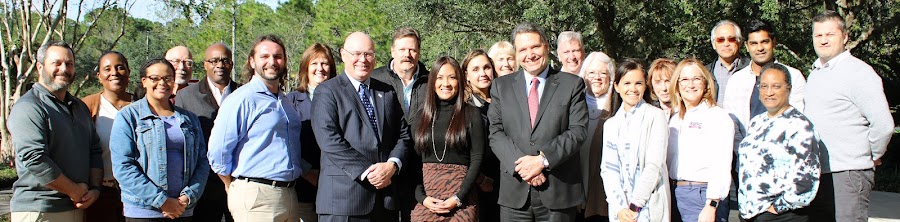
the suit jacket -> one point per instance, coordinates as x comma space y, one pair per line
560, 128
309, 149
349, 145
198, 99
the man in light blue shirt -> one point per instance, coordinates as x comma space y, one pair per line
254, 145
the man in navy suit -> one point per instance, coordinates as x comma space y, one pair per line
363, 138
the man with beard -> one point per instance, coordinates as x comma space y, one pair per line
182, 60
113, 74
58, 154
204, 99
570, 51
254, 146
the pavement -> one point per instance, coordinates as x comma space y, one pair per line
883, 206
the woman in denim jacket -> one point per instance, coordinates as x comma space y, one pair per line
158, 152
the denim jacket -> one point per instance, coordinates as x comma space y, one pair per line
138, 150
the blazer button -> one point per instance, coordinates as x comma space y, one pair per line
532, 143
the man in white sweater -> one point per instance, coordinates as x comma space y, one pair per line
848, 109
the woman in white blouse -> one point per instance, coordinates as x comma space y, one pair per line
634, 161
701, 138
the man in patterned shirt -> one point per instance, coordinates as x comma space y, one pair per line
779, 163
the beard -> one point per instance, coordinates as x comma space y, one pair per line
54, 86
278, 75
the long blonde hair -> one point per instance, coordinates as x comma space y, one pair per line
709, 93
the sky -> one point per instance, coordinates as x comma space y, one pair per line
146, 9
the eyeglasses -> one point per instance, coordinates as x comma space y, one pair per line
156, 79
186, 62
214, 61
729, 39
357, 54
766, 87
686, 81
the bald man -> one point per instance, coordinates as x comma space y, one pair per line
182, 60
363, 138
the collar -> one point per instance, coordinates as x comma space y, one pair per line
357, 82
212, 86
256, 85
817, 65
143, 109
734, 65
540, 77
44, 92
700, 107
634, 110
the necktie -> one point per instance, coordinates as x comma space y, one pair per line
370, 110
533, 101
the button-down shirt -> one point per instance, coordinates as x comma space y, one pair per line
217, 94
407, 88
700, 148
542, 80
723, 73
779, 164
850, 113
739, 94
256, 134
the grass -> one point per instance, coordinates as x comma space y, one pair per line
7, 176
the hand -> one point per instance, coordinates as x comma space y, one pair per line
878, 162
184, 201
529, 166
449, 204
380, 177
78, 193
434, 205
626, 215
772, 210
537, 181
171, 208
312, 176
487, 184
89, 198
708, 214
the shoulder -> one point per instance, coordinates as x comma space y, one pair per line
91, 99
380, 85
859, 68
27, 105
191, 89
381, 73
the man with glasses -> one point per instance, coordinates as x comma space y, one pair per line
182, 60
363, 137
726, 40
204, 99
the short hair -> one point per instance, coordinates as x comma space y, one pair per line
598, 57
155, 61
660, 67
406, 31
501, 47
314, 51
779, 67
124, 59
527, 27
831, 15
709, 93
760, 25
42, 51
248, 71
737, 30
569, 36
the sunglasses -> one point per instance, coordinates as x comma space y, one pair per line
729, 39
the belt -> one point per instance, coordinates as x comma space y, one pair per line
687, 183
275, 183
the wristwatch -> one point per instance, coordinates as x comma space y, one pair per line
634, 208
714, 203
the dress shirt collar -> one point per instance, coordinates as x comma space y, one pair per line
257, 85
357, 82
541, 78
217, 94
817, 65
704, 105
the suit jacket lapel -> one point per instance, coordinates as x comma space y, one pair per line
519, 92
549, 90
350, 91
207, 94
378, 95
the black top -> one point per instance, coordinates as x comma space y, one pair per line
470, 155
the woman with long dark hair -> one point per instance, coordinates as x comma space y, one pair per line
316, 66
158, 152
450, 139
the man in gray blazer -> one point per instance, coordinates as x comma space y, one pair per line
203, 99
538, 121
363, 137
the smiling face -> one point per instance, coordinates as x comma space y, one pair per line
828, 39
596, 76
571, 55
631, 88
114, 73
58, 69
774, 91
761, 47
159, 82
446, 84
218, 64
532, 52
268, 61
479, 72
358, 55
692, 85
318, 71
505, 64
405, 52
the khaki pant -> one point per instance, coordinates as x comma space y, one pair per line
256, 202
67, 216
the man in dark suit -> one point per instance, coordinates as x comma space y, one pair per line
203, 99
538, 120
363, 138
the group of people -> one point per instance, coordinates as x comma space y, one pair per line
500, 136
